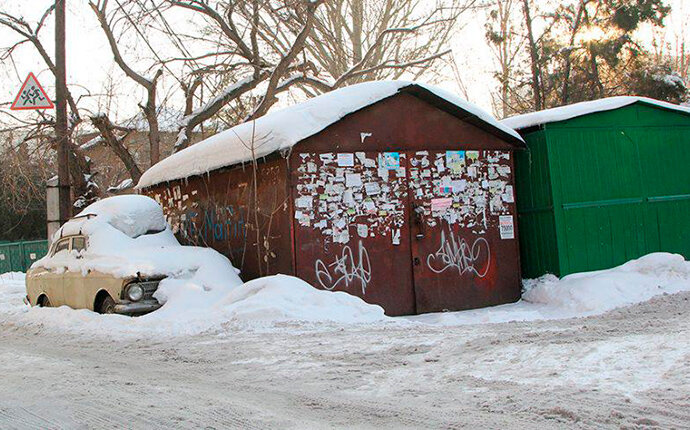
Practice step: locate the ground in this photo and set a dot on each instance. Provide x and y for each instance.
(627, 368)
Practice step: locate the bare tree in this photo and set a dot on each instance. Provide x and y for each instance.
(358, 40)
(149, 84)
(244, 53)
(80, 169)
(506, 42)
(274, 46)
(535, 62)
(109, 133)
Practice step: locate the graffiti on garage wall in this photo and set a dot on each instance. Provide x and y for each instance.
(363, 195)
(199, 225)
(456, 253)
(346, 270)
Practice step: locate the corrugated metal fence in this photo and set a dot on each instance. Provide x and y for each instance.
(19, 256)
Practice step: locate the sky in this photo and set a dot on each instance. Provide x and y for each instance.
(90, 64)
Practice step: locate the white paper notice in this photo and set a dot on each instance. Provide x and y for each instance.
(507, 229)
(441, 204)
(395, 236)
(346, 159)
(508, 195)
(306, 202)
(372, 188)
(353, 179)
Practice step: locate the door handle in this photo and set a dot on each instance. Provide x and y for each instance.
(416, 261)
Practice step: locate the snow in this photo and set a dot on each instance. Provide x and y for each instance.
(575, 110)
(582, 294)
(252, 364)
(212, 298)
(128, 235)
(201, 290)
(123, 185)
(198, 304)
(282, 129)
(98, 140)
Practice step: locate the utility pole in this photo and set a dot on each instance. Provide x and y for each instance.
(61, 115)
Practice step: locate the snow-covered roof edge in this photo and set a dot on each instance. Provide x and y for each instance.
(563, 113)
(282, 129)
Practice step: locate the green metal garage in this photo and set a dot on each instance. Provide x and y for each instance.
(603, 182)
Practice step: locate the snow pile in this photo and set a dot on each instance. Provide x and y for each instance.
(284, 128)
(596, 292)
(582, 294)
(583, 108)
(12, 291)
(269, 299)
(191, 308)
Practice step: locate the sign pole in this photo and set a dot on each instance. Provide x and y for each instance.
(61, 114)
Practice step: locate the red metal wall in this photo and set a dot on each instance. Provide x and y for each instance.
(218, 211)
(356, 229)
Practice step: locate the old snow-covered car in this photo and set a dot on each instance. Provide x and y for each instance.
(111, 258)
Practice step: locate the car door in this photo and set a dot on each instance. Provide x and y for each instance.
(73, 279)
(51, 280)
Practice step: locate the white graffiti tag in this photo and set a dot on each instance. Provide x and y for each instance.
(458, 254)
(345, 270)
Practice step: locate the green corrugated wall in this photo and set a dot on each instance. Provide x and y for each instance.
(596, 191)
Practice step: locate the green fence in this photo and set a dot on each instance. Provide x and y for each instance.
(19, 256)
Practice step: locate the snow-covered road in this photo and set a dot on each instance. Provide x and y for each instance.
(627, 368)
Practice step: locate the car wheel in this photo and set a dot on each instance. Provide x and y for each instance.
(107, 305)
(44, 303)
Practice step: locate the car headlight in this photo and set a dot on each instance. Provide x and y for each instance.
(135, 292)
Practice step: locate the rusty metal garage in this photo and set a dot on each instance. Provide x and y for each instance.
(396, 192)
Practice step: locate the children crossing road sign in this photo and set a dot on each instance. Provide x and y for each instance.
(32, 96)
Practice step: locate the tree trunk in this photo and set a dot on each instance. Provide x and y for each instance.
(105, 128)
(534, 56)
(568, 59)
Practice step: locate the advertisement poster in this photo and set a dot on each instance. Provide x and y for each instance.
(455, 161)
(390, 160)
(506, 226)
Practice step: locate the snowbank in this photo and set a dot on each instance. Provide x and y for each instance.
(574, 110)
(191, 308)
(204, 303)
(284, 128)
(582, 294)
(596, 292)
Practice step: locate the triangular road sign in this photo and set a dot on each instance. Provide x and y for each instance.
(32, 96)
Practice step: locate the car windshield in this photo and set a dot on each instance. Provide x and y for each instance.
(78, 244)
(62, 246)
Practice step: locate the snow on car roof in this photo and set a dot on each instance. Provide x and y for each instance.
(284, 128)
(575, 110)
(132, 215)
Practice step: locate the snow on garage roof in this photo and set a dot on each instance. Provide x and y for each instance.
(284, 128)
(563, 113)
